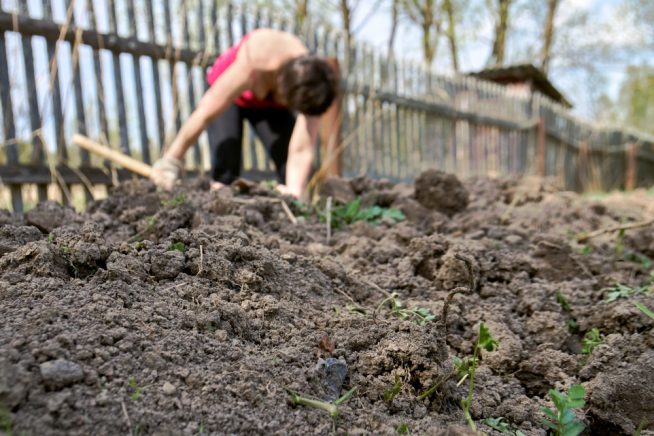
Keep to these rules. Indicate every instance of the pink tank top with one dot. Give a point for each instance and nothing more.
(247, 98)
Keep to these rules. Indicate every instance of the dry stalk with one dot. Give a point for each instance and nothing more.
(328, 212)
(614, 228)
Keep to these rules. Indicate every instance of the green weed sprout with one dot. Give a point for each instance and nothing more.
(136, 390)
(177, 246)
(592, 339)
(332, 408)
(176, 201)
(467, 368)
(419, 315)
(644, 309)
(502, 426)
(563, 421)
(623, 291)
(352, 212)
(563, 302)
(393, 391)
(403, 428)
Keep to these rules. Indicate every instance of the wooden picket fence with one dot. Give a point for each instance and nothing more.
(127, 72)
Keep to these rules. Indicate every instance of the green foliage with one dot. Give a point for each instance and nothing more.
(563, 302)
(419, 315)
(563, 421)
(502, 426)
(351, 308)
(586, 250)
(269, 184)
(6, 423)
(573, 326)
(623, 291)
(352, 212)
(51, 238)
(177, 246)
(135, 389)
(65, 249)
(403, 428)
(393, 391)
(644, 309)
(643, 260)
(176, 201)
(592, 339)
(467, 368)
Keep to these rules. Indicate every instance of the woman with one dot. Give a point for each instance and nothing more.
(265, 79)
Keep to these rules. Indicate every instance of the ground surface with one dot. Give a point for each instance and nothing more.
(166, 314)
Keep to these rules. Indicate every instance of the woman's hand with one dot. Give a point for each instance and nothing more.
(165, 172)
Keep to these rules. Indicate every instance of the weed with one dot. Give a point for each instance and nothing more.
(332, 408)
(563, 421)
(352, 212)
(403, 428)
(619, 244)
(573, 326)
(644, 309)
(51, 238)
(623, 291)
(351, 308)
(176, 201)
(467, 367)
(6, 423)
(393, 391)
(134, 387)
(503, 427)
(643, 260)
(592, 339)
(65, 249)
(302, 209)
(586, 250)
(419, 315)
(563, 302)
(177, 246)
(201, 429)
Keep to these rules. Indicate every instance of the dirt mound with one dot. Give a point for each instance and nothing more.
(441, 191)
(197, 312)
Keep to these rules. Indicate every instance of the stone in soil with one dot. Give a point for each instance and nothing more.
(60, 373)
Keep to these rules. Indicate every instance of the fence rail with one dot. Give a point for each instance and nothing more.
(126, 72)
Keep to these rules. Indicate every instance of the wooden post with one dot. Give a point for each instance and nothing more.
(118, 78)
(631, 173)
(540, 147)
(583, 166)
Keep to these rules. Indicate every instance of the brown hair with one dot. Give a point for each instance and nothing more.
(308, 84)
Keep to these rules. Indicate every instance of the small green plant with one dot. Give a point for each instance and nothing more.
(176, 201)
(269, 184)
(419, 315)
(586, 250)
(643, 260)
(592, 339)
(134, 387)
(563, 421)
(403, 428)
(6, 423)
(619, 244)
(563, 302)
(644, 309)
(332, 408)
(51, 238)
(352, 308)
(573, 326)
(467, 368)
(352, 212)
(621, 291)
(65, 249)
(393, 391)
(177, 246)
(502, 426)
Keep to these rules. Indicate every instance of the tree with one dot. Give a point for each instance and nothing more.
(636, 102)
(425, 14)
(501, 27)
(448, 8)
(395, 19)
(548, 34)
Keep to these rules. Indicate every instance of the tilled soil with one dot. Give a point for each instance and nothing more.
(195, 312)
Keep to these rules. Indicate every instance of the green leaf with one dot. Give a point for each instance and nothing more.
(549, 412)
(644, 309)
(486, 340)
(394, 214)
(177, 246)
(574, 429)
(346, 396)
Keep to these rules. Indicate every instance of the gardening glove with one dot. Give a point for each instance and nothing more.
(165, 172)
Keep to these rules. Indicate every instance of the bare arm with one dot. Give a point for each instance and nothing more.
(214, 102)
(301, 151)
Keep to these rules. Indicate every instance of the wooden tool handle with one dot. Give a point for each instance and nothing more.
(117, 157)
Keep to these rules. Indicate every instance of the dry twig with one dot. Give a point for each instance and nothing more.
(614, 228)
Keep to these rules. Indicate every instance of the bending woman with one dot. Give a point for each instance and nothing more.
(266, 79)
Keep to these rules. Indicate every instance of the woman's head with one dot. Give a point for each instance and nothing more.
(307, 84)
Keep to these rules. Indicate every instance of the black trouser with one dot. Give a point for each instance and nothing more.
(274, 127)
